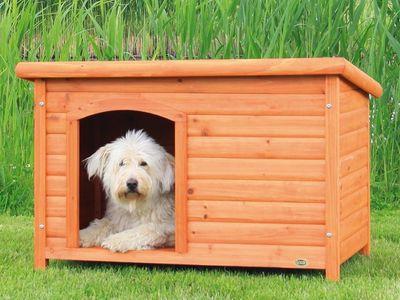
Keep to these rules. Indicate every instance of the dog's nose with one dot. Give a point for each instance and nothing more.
(132, 184)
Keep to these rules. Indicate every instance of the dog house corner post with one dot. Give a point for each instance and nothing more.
(181, 219)
(332, 187)
(40, 261)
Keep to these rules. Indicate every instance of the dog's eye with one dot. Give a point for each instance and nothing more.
(122, 163)
(143, 163)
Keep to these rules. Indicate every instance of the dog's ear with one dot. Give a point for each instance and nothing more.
(168, 179)
(96, 163)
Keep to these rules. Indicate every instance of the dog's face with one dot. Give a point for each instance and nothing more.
(133, 168)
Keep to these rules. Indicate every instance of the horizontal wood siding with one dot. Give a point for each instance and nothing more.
(354, 171)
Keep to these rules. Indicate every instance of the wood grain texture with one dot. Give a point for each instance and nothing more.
(56, 123)
(353, 244)
(353, 120)
(256, 212)
(40, 185)
(256, 147)
(205, 254)
(202, 68)
(56, 185)
(352, 223)
(72, 179)
(352, 100)
(333, 144)
(181, 211)
(353, 202)
(56, 242)
(354, 181)
(56, 206)
(56, 144)
(256, 233)
(353, 161)
(262, 169)
(239, 126)
(209, 104)
(256, 190)
(56, 164)
(354, 140)
(56, 227)
(236, 85)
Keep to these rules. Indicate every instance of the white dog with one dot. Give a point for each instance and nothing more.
(138, 178)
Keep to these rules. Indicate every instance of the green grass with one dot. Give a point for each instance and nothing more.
(376, 277)
(365, 31)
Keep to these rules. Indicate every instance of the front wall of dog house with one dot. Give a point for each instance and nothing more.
(256, 164)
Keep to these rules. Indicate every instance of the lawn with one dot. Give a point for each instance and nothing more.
(377, 277)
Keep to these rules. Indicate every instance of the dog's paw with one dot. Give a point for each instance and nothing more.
(86, 238)
(121, 243)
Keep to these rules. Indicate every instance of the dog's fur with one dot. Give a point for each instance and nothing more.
(139, 219)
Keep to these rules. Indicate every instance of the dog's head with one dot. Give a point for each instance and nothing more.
(133, 167)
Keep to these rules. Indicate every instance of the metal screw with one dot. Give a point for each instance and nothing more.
(329, 106)
(41, 103)
(41, 226)
(329, 234)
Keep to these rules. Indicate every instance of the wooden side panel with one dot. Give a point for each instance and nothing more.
(332, 208)
(354, 173)
(40, 185)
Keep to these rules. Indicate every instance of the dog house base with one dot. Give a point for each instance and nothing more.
(272, 157)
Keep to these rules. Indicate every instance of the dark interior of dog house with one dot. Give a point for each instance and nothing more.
(100, 129)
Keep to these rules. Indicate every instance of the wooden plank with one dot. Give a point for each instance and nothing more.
(181, 213)
(353, 202)
(353, 182)
(56, 185)
(353, 100)
(206, 254)
(55, 242)
(353, 161)
(256, 147)
(332, 209)
(56, 227)
(56, 123)
(353, 244)
(366, 250)
(222, 104)
(72, 180)
(263, 169)
(256, 233)
(353, 222)
(235, 85)
(273, 126)
(256, 190)
(40, 261)
(353, 120)
(56, 164)
(346, 85)
(56, 206)
(354, 140)
(56, 143)
(256, 212)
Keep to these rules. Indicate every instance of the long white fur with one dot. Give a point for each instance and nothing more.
(133, 221)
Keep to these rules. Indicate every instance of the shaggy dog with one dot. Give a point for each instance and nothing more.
(138, 178)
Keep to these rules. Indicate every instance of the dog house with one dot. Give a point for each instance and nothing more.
(272, 157)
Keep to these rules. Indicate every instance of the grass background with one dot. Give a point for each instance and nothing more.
(366, 32)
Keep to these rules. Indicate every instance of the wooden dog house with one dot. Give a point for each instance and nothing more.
(272, 156)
